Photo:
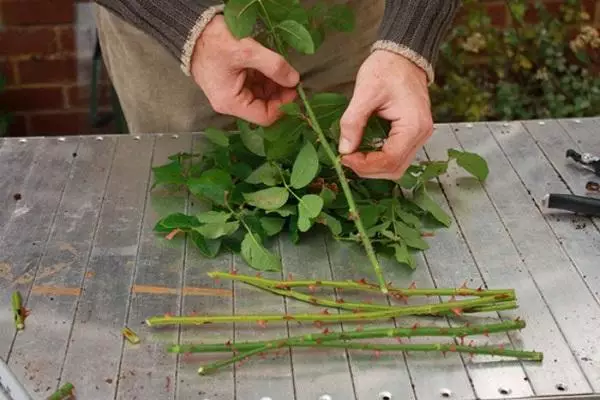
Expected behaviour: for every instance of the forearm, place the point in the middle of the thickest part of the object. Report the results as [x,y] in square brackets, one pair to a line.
[415,29]
[176,24]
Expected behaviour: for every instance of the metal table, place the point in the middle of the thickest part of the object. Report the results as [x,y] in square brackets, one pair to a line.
[79,246]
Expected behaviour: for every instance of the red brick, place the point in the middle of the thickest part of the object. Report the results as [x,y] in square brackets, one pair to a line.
[18,126]
[67,38]
[28,99]
[79,96]
[7,71]
[497,13]
[64,123]
[37,12]
[47,71]
[18,41]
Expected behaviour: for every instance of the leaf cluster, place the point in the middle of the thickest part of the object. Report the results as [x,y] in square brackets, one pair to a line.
[526,70]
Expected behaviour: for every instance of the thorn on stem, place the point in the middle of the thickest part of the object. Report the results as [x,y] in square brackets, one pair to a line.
[359,328]
[173,233]
[290,277]
[457,311]
[318,324]
[377,354]
[325,312]
[326,331]
[312,288]
[262,323]
[413,285]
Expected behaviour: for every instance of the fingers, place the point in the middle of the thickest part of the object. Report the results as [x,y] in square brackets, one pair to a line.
[354,120]
[270,64]
[260,111]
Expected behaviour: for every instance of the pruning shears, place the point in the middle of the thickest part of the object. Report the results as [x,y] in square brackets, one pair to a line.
[585,205]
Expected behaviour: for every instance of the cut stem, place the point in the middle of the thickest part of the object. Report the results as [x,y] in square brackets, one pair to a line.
[18,311]
[373,333]
[456,307]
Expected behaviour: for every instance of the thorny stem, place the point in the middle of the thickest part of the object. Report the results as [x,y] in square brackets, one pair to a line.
[377,348]
[456,307]
[342,304]
[353,210]
[373,333]
[360,285]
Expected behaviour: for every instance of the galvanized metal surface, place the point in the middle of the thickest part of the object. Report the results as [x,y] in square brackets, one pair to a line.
[79,245]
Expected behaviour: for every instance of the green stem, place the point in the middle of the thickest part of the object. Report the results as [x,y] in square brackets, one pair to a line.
[377,348]
[360,285]
[347,192]
[18,312]
[63,393]
[456,307]
[416,331]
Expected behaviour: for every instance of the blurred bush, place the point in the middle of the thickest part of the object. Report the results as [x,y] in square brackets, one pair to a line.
[525,70]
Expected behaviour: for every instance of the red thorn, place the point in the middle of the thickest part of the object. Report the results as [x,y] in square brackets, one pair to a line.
[467,324]
[413,285]
[453,348]
[501,348]
[362,281]
[389,285]
[290,277]
[228,343]
[326,331]
[517,319]
[462,340]
[263,356]
[325,312]
[359,328]
[427,234]
[415,326]
[398,339]
[377,354]
[356,311]
[464,285]
[318,341]
[258,275]
[312,288]
[471,343]
[233,271]
[318,324]
[288,317]
[313,300]
[480,289]
[318,283]
[486,333]
[168,315]
[262,323]
[457,311]
[173,233]
[340,301]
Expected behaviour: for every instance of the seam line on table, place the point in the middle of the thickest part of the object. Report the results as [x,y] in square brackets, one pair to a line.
[341,325]
[479,271]
[535,283]
[87,263]
[135,268]
[180,296]
[546,220]
[51,231]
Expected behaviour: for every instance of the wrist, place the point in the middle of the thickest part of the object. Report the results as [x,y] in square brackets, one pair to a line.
[409,57]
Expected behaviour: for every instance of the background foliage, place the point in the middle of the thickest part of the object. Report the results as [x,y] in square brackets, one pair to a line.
[522,71]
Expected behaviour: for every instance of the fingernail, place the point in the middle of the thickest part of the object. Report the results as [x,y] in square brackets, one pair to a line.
[345,146]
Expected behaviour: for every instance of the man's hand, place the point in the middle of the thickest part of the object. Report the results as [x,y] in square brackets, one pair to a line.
[394,88]
[241,78]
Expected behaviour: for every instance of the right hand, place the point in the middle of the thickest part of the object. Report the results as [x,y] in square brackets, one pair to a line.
[242,78]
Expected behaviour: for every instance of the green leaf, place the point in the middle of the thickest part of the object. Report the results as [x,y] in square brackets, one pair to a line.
[217,229]
[291,109]
[305,167]
[296,35]
[340,17]
[410,178]
[284,211]
[426,203]
[369,214]
[257,256]
[433,169]
[309,207]
[281,10]
[331,222]
[168,174]
[267,174]
[240,16]
[328,107]
[471,162]
[411,236]
[212,184]
[403,256]
[328,196]
[212,217]
[207,247]
[252,141]
[272,225]
[375,229]
[217,136]
[177,220]
[240,170]
[268,199]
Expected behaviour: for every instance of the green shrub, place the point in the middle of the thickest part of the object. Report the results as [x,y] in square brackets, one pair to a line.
[522,71]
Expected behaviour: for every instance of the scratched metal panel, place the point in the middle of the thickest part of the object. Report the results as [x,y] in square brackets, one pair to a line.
[372,374]
[147,370]
[38,351]
[573,306]
[271,376]
[16,159]
[577,236]
[308,260]
[27,230]
[500,263]
[213,298]
[93,356]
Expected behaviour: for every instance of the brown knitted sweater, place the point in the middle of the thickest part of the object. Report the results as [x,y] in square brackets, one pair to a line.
[412,28]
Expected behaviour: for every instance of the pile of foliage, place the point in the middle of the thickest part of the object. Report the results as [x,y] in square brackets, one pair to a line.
[545,69]
[262,181]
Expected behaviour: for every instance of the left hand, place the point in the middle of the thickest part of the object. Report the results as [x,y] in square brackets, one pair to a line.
[395,89]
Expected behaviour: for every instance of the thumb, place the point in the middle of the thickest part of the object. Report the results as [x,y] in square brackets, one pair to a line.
[353,123]
[271,64]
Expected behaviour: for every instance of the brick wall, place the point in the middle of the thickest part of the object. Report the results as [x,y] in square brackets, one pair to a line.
[47,63]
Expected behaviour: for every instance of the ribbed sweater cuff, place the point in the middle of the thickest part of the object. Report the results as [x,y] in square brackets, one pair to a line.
[415,29]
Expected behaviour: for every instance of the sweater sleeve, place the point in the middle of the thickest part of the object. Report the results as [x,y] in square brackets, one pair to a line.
[415,29]
[176,24]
